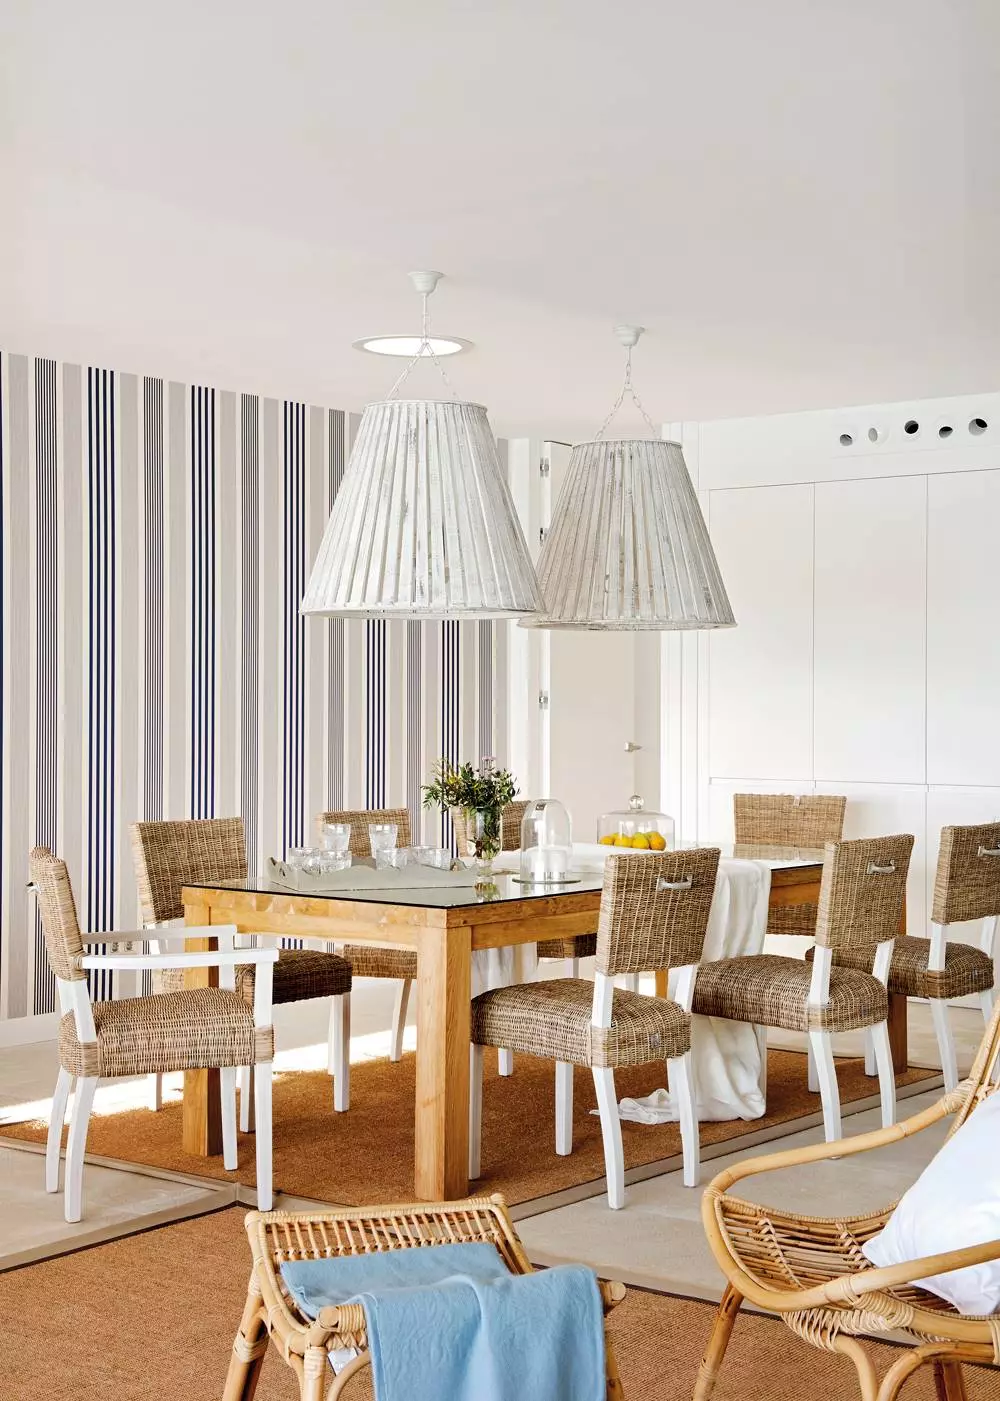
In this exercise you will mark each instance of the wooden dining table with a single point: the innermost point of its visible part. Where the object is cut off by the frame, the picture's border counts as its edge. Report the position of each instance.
(445, 925)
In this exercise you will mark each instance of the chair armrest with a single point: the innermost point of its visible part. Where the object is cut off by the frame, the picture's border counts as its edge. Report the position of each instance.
(208, 959)
(160, 936)
(847, 1288)
(843, 1147)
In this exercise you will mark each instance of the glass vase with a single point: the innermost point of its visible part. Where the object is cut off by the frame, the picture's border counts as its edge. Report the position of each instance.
(483, 829)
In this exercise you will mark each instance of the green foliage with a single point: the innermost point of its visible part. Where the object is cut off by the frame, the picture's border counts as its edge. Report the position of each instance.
(486, 789)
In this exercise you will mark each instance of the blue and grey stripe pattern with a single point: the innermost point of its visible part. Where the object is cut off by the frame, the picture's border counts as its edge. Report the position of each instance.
(217, 525)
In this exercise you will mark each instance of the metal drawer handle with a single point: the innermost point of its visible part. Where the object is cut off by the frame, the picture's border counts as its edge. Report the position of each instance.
(874, 870)
(684, 884)
(989, 851)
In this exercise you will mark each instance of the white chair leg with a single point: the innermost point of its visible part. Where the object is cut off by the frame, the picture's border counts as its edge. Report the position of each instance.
(262, 1110)
(762, 1052)
(986, 1002)
(83, 1102)
(611, 1131)
(340, 1050)
(886, 1072)
(399, 1019)
(475, 1110)
(632, 982)
(682, 1088)
(826, 1074)
(53, 1145)
(945, 1040)
(505, 1061)
(227, 1092)
(156, 1092)
(574, 967)
(870, 1066)
(812, 1079)
(244, 1079)
(564, 1108)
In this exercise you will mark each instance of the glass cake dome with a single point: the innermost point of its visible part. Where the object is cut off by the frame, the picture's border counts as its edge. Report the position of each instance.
(637, 826)
(546, 843)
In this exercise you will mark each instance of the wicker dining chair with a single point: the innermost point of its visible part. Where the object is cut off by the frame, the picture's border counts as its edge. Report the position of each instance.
(570, 949)
(810, 1271)
(789, 819)
(272, 1316)
(861, 903)
(938, 969)
(374, 960)
(212, 1028)
(654, 914)
(169, 855)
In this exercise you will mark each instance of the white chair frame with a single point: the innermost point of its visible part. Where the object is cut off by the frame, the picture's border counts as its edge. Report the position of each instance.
(822, 1070)
(74, 997)
(680, 1072)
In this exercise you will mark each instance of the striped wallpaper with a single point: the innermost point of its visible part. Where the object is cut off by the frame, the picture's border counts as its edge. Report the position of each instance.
(156, 538)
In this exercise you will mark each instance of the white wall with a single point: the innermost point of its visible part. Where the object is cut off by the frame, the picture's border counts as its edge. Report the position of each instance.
(866, 659)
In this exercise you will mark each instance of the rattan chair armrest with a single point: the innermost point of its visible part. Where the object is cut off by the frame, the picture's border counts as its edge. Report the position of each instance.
(842, 1148)
(849, 1288)
(177, 960)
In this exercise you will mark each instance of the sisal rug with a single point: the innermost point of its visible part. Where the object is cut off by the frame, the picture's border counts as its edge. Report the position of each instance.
(365, 1156)
(152, 1317)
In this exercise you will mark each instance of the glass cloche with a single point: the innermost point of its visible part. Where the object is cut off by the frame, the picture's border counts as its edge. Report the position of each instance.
(637, 827)
(546, 842)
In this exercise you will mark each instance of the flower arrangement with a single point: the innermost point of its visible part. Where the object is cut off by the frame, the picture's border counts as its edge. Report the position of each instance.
(480, 795)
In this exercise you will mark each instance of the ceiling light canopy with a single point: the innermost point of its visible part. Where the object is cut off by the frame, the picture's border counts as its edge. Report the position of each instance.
(628, 548)
(424, 524)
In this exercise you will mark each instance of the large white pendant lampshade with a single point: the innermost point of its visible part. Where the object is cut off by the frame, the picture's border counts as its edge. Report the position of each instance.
(628, 549)
(424, 524)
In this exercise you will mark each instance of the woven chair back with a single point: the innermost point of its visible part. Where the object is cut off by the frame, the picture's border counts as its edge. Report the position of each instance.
(654, 909)
(358, 820)
(786, 819)
(169, 855)
(510, 826)
(863, 891)
(57, 908)
(967, 883)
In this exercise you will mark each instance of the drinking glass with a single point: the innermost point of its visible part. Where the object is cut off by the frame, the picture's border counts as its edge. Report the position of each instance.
(336, 837)
(382, 837)
(437, 856)
(296, 857)
(331, 861)
(390, 858)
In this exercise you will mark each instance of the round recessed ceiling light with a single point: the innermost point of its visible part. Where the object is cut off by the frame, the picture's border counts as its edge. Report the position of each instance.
(411, 346)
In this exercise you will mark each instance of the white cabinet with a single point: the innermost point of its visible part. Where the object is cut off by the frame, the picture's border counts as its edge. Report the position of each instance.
(963, 636)
(870, 630)
(760, 672)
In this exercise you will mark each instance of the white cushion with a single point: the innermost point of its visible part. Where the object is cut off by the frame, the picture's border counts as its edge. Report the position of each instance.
(955, 1202)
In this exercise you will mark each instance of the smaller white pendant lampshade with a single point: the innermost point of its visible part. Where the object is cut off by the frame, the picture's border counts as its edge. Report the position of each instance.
(423, 525)
(628, 549)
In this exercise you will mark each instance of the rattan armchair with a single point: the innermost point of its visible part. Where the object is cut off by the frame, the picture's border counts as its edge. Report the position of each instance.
(811, 1272)
(211, 1028)
(271, 1315)
(789, 819)
(654, 914)
(169, 855)
(861, 902)
(374, 960)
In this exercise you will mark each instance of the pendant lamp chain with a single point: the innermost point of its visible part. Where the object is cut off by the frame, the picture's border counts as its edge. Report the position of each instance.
(424, 282)
(628, 335)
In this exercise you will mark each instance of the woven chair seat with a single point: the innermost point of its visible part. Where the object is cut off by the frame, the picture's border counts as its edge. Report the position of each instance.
(553, 1019)
(967, 969)
(300, 974)
(574, 946)
(370, 961)
(200, 1028)
(769, 990)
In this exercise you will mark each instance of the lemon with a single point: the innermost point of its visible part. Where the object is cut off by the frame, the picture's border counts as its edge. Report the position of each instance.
(657, 841)
(608, 840)
(640, 841)
(621, 840)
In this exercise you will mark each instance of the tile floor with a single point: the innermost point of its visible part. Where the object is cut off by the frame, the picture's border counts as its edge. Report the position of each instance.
(656, 1240)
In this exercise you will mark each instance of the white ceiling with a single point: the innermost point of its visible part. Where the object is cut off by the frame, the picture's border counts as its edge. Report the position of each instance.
(800, 198)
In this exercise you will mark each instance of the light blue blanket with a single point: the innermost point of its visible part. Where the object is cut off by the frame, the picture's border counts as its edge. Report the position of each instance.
(450, 1321)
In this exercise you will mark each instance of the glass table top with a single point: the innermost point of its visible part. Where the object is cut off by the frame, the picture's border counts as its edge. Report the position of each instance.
(504, 885)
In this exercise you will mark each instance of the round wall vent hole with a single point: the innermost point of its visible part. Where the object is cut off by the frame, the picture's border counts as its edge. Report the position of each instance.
(978, 426)
(945, 431)
(846, 440)
(873, 435)
(911, 426)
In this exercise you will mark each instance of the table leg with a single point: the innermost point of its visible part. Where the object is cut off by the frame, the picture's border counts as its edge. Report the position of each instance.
(202, 1125)
(444, 995)
(897, 1017)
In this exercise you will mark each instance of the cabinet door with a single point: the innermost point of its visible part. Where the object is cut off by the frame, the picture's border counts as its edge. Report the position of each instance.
(760, 672)
(963, 639)
(870, 630)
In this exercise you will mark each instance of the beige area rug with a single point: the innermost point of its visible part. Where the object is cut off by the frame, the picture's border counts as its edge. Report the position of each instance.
(152, 1317)
(365, 1156)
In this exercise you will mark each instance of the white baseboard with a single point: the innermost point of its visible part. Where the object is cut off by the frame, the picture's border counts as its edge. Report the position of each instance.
(22, 1031)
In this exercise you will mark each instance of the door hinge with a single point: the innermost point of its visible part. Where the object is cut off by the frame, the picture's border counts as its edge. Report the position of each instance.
(543, 531)
(544, 467)
(543, 700)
